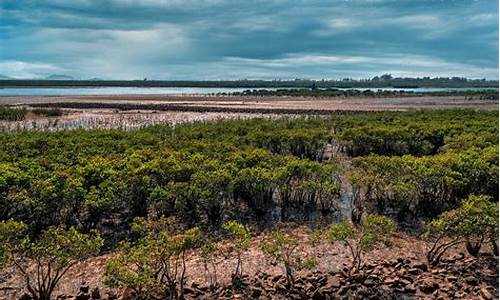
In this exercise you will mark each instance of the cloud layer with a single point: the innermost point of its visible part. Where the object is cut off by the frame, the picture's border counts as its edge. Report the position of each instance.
(232, 39)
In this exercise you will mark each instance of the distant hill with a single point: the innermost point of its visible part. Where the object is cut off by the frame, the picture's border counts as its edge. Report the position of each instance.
(59, 77)
(4, 77)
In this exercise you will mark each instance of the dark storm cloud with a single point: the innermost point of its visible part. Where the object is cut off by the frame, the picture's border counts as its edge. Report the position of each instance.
(219, 39)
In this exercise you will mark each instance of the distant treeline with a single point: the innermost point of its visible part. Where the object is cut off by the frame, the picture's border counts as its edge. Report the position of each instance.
(329, 92)
(375, 82)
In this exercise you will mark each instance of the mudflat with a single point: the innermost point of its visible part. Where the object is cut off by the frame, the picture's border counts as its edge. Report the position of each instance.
(253, 104)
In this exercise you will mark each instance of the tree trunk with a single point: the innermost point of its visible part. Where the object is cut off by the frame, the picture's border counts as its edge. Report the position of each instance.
(473, 248)
(494, 247)
(289, 276)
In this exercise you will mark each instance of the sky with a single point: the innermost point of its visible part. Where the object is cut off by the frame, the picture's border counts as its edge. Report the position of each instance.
(257, 39)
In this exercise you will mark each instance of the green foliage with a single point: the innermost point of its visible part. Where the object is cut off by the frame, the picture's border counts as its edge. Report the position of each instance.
(474, 222)
(380, 226)
(281, 248)
(372, 231)
(316, 237)
(201, 172)
(407, 165)
(45, 261)
(154, 266)
(239, 233)
(409, 187)
(241, 238)
(422, 133)
(12, 113)
(11, 234)
(343, 231)
(307, 143)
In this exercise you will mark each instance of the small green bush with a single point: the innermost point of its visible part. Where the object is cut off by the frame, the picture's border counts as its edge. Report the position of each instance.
(281, 248)
(44, 261)
(360, 240)
(241, 238)
(155, 265)
(475, 221)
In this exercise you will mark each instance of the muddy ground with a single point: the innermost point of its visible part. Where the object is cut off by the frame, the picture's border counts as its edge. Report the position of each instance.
(292, 103)
(136, 111)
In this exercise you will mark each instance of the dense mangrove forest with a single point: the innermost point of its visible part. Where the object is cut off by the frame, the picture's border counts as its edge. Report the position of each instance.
(355, 178)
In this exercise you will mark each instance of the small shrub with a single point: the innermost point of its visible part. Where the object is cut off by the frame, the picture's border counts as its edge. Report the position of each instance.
(281, 248)
(474, 222)
(371, 232)
(11, 233)
(154, 266)
(241, 238)
(44, 262)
